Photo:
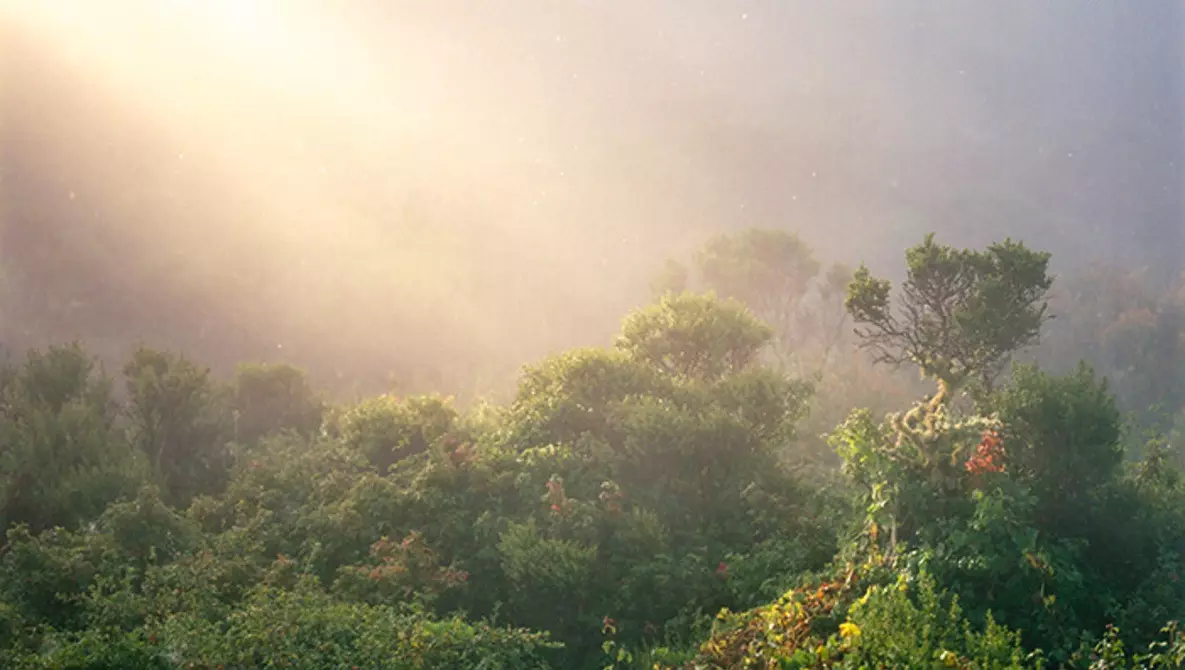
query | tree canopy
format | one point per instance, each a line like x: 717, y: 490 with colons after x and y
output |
x: 961, y: 314
x: 645, y: 504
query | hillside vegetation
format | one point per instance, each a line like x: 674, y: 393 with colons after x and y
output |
x: 740, y: 481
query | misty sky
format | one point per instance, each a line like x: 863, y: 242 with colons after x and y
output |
x: 467, y: 180
x: 853, y: 119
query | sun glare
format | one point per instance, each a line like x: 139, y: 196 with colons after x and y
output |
x: 205, y: 72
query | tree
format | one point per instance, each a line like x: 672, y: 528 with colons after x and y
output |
x: 387, y: 430
x: 181, y: 421
x: 962, y: 313
x: 775, y: 274
x: 273, y: 397
x: 694, y: 336
x: 573, y: 393
x: 62, y: 457
x: 1063, y: 436
x: 768, y: 270
x: 1131, y: 331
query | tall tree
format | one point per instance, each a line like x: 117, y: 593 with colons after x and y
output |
x: 962, y: 313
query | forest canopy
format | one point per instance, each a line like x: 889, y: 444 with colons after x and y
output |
x: 737, y: 481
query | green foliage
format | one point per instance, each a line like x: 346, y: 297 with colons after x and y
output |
x: 268, y: 398
x: 776, y: 276
x: 407, y: 571
x: 1111, y: 652
x: 63, y: 458
x: 906, y: 623
x: 996, y: 560
x: 982, y: 527
x: 181, y: 420
x: 554, y: 580
x: 285, y: 498
x: 300, y: 628
x: 913, y: 625
x: 623, y: 498
x: 1026, y: 540
x: 694, y: 336
x: 962, y: 312
x: 691, y: 462
x: 52, y: 577
x: 559, y: 566
x: 1021, y: 507
x: 387, y: 430
x: 1063, y: 436
x: 910, y: 477
x: 305, y: 628
x: 96, y: 649
x: 569, y: 395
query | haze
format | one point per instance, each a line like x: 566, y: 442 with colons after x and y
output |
x: 441, y: 191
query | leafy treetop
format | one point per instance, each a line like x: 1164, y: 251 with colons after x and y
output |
x: 962, y: 313
x: 695, y: 336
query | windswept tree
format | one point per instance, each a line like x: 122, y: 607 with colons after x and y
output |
x: 962, y: 313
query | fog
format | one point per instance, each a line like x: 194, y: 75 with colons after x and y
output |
x: 438, y: 192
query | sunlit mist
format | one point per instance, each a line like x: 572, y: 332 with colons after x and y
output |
x: 420, y: 190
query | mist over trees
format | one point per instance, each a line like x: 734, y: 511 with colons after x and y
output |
x: 591, y: 335
x: 671, y: 500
